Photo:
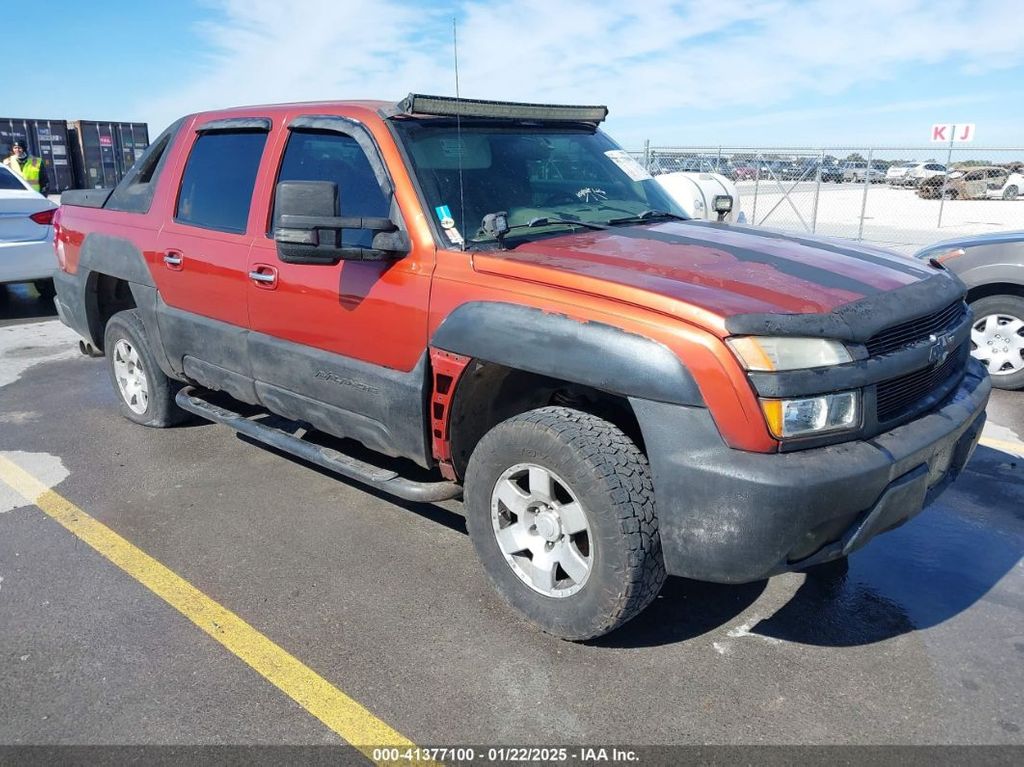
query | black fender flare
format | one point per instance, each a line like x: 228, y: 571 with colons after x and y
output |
x: 117, y: 257
x: 588, y: 353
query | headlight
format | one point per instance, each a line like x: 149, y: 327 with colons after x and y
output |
x: 779, y: 353
x: 812, y: 415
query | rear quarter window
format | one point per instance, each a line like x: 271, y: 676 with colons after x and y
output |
x: 135, y: 192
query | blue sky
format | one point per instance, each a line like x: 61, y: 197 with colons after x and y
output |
x: 763, y: 72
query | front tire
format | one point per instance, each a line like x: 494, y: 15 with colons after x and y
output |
x: 145, y: 394
x: 1010, y: 193
x: 560, y: 509
x: 997, y: 339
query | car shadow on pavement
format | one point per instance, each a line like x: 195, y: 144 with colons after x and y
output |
x: 930, y: 570
x: 685, y: 609
x: 433, y: 512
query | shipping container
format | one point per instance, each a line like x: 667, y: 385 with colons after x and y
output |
x: 47, y: 139
x: 102, y: 152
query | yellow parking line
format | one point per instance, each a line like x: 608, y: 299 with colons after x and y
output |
x: 353, y: 722
x: 1004, y: 444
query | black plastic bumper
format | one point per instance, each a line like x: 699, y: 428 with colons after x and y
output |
x: 732, y: 516
x: 70, y: 304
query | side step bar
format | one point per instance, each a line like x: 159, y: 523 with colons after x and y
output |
x: 332, y: 460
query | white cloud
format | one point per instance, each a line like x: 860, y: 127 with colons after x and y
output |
x: 651, y: 59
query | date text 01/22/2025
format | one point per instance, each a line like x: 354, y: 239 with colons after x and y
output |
x: 502, y: 754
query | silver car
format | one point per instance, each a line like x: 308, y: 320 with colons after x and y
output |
x: 992, y: 267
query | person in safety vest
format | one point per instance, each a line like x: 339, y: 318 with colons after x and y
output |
x: 29, y: 168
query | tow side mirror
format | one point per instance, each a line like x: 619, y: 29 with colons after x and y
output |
x: 308, y: 230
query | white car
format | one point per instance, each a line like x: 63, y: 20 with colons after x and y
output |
x: 925, y: 170
x: 897, y: 173
x: 1009, y: 189
x: 26, y: 235
x: 695, y: 193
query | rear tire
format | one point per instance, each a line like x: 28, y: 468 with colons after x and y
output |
x: 997, y: 339
x: 560, y: 509
x: 1011, y: 193
x: 45, y: 289
x: 145, y: 394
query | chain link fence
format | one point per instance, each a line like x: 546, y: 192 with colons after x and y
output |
x: 901, y: 198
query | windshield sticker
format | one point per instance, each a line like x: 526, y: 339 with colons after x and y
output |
x: 444, y: 215
x: 628, y: 165
x: 454, y: 235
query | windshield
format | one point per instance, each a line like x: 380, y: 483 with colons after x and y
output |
x: 531, y: 172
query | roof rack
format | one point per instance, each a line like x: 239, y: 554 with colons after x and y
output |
x: 442, y: 106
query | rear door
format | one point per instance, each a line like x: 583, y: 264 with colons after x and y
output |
x: 204, y: 251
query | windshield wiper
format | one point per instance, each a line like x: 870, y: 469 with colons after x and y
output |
x: 496, y: 226
x: 547, y: 221
x: 647, y: 215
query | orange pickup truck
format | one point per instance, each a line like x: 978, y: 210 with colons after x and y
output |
x: 498, y: 293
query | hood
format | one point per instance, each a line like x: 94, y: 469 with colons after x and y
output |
x: 706, y: 272
x: 972, y: 241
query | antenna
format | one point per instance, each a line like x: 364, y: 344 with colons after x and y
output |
x: 458, y: 133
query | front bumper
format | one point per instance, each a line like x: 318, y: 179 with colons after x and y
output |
x: 731, y: 516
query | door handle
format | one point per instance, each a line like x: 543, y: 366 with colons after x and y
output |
x: 174, y: 260
x: 264, y: 276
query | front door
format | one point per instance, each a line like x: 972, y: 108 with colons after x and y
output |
x: 342, y: 346
x: 204, y: 253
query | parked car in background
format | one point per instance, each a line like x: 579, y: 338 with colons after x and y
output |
x: 964, y: 184
x: 992, y: 267
x: 1011, y: 188
x: 744, y: 172
x: 832, y: 172
x: 799, y: 171
x: 26, y: 235
x: 923, y: 171
x: 896, y: 174
x: 859, y: 171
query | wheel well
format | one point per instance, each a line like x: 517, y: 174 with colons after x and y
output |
x: 489, y: 394
x: 105, y: 297
x: 995, y: 289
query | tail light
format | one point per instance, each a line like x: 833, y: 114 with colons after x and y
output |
x: 44, y: 217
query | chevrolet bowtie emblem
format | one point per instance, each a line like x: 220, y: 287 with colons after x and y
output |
x: 941, y: 346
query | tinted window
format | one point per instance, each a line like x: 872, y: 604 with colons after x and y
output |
x: 318, y: 156
x: 216, y: 188
x: 8, y: 181
x: 135, y: 192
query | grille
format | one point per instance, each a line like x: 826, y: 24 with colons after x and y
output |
x: 912, y: 331
x: 899, y: 395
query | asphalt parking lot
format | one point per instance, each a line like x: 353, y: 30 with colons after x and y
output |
x: 921, y: 640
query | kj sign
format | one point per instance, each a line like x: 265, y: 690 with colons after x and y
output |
x: 945, y: 133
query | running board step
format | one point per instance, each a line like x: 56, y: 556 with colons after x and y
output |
x: 332, y: 460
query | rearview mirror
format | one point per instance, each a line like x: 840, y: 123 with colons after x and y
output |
x: 308, y: 230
